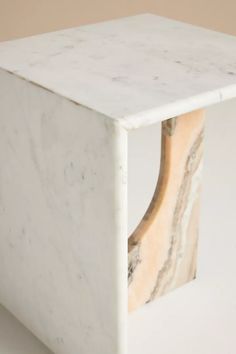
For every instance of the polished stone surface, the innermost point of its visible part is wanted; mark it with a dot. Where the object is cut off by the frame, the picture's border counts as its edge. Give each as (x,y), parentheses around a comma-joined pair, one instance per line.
(63,213)
(137,70)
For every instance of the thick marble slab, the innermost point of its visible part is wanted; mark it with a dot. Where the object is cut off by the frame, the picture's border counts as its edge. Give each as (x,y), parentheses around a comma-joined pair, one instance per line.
(63,244)
(137,70)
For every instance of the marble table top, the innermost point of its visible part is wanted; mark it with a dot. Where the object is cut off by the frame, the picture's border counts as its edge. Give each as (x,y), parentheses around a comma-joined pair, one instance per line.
(137,70)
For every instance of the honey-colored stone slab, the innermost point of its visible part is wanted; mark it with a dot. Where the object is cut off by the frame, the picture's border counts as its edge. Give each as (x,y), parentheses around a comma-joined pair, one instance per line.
(162,250)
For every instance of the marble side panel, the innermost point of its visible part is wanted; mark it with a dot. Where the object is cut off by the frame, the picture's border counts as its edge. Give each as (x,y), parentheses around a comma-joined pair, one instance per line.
(63,244)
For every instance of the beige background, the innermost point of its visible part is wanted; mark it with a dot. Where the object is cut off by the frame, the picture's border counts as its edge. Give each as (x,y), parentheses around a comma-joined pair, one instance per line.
(19,18)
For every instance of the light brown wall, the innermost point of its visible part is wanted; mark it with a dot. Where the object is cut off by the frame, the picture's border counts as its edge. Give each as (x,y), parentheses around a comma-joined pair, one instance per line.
(19,18)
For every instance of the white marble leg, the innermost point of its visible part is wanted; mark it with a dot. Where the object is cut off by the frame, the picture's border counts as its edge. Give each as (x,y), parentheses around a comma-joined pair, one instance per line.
(63,243)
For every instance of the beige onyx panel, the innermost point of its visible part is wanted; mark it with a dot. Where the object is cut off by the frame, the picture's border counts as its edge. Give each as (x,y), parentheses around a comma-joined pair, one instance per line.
(163,248)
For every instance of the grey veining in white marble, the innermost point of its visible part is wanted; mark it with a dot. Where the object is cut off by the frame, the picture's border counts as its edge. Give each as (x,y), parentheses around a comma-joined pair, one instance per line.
(63,244)
(137,70)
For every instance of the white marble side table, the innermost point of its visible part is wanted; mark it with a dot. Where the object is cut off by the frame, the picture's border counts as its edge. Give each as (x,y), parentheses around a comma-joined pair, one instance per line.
(67,102)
